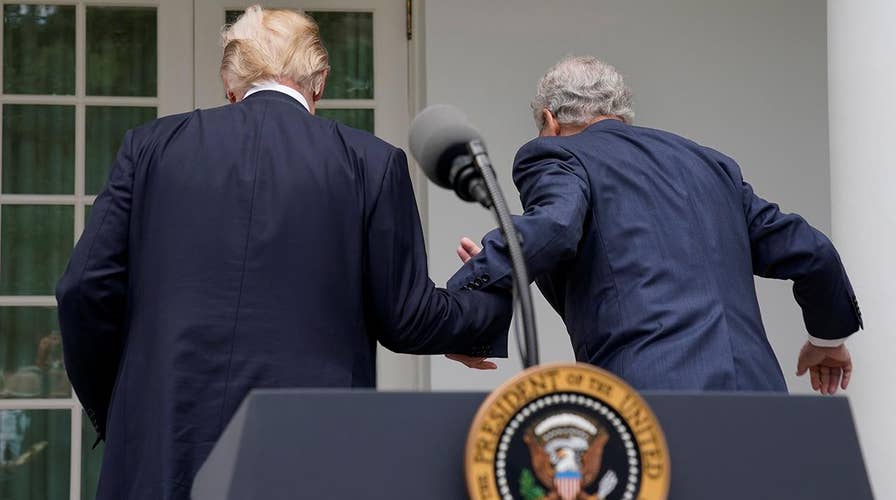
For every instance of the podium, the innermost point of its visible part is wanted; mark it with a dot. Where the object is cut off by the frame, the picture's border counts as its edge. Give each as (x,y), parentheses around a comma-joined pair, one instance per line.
(342,444)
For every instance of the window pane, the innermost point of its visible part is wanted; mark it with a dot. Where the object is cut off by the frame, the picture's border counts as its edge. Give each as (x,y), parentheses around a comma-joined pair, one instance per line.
(348,37)
(106,126)
(35,243)
(38,49)
(35,446)
(38,149)
(121,51)
(31,354)
(358,118)
(91,459)
(230,16)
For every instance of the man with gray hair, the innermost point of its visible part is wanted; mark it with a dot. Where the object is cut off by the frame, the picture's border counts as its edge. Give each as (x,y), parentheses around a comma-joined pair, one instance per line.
(646,244)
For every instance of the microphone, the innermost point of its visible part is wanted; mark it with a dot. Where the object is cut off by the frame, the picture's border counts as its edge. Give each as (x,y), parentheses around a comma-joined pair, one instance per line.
(439,139)
(451,153)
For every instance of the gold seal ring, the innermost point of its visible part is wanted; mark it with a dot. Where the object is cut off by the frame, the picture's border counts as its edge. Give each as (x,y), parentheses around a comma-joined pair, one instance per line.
(562,430)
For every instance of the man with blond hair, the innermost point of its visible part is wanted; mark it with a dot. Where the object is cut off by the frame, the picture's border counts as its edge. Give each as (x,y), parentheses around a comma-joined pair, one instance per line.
(646,244)
(248,246)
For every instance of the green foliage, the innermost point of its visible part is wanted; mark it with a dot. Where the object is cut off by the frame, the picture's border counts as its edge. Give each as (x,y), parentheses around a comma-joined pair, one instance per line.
(529,488)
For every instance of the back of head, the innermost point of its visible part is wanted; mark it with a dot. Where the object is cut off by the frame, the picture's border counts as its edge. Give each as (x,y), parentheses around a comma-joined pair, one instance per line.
(272,44)
(578,89)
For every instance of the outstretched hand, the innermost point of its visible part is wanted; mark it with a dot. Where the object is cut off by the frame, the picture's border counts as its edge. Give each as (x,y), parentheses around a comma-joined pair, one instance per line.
(467,249)
(828,367)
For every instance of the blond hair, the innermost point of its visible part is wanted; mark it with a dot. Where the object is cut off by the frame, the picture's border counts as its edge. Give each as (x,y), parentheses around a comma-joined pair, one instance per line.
(273,44)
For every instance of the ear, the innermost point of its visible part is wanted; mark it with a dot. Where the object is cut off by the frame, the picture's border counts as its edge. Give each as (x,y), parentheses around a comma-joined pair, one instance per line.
(551,127)
(323,83)
(228,93)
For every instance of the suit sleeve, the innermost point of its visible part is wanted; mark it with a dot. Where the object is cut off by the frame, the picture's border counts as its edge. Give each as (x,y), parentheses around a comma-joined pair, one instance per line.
(411,314)
(92,293)
(785,246)
(554,191)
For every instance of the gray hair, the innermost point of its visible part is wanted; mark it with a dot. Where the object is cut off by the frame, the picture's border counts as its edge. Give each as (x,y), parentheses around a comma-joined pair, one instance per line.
(578,89)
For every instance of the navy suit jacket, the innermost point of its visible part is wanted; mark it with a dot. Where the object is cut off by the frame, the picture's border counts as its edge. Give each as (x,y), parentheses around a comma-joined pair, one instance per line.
(646,244)
(252,245)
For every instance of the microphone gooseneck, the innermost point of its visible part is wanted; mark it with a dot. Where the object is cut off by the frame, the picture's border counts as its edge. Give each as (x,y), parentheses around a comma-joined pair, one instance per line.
(451,153)
(522,292)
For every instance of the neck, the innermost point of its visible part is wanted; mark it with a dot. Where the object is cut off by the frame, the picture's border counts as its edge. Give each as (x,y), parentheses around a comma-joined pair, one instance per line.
(575,128)
(309,96)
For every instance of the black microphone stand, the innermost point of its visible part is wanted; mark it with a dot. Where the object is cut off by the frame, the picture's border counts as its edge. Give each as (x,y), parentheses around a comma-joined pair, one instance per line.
(493,199)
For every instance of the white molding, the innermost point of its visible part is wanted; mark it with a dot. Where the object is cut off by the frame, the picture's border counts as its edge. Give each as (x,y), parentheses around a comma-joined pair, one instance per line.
(80,98)
(39,404)
(27,301)
(346,104)
(98,3)
(416,103)
(175,57)
(76,447)
(46,199)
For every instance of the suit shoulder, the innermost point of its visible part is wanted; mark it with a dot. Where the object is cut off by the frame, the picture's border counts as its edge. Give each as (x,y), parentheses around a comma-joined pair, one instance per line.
(164,126)
(705,153)
(366,150)
(546,144)
(558,148)
(362,142)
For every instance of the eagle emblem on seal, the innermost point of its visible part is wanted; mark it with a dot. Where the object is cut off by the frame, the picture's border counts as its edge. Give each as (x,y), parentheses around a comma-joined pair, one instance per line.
(566,452)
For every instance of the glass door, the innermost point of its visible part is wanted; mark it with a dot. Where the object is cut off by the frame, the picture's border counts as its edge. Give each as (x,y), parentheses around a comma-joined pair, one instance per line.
(367,89)
(74,77)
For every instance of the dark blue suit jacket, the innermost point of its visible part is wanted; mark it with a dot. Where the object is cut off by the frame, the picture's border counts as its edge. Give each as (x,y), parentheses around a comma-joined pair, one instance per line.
(646,244)
(252,245)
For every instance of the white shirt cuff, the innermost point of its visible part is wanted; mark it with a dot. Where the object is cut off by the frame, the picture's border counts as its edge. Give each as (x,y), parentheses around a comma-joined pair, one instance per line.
(817,342)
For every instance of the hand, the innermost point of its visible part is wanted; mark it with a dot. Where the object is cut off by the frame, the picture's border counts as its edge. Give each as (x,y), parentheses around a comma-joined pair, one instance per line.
(467,249)
(828,367)
(473,362)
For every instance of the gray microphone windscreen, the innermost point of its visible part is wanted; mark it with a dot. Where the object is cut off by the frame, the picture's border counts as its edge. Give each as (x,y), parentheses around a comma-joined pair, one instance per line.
(436,130)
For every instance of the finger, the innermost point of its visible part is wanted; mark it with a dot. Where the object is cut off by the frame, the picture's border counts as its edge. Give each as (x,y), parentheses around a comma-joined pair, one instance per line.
(825,374)
(813,376)
(847,373)
(460,358)
(486,365)
(470,246)
(463,254)
(835,380)
(472,362)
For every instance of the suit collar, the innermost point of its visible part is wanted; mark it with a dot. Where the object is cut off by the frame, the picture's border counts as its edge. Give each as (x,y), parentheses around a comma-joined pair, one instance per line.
(277,96)
(609,123)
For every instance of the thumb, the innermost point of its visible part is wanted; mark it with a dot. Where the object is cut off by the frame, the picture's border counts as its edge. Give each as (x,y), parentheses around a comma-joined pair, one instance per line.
(803,363)
(470,246)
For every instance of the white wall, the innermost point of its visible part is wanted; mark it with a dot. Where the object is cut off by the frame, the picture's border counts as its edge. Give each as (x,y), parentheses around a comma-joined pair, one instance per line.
(862,60)
(747,77)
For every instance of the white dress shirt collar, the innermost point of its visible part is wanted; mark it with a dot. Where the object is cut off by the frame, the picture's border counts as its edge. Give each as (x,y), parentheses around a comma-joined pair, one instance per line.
(295,94)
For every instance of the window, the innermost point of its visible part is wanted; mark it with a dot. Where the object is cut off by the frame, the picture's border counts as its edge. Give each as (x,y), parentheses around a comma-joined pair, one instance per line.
(75,77)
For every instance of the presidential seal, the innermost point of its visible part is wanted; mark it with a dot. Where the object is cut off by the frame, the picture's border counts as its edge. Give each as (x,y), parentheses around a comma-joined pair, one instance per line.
(566,432)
